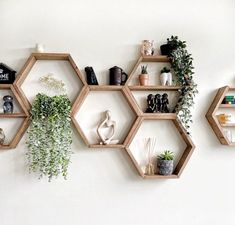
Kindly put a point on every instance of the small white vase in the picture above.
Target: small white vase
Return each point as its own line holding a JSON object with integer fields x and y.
{"x": 166, "y": 79}
{"x": 163, "y": 78}
{"x": 39, "y": 48}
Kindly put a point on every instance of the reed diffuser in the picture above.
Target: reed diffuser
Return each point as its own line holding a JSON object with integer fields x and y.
{"x": 149, "y": 144}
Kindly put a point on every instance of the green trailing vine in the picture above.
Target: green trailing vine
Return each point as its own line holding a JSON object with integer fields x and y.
{"x": 182, "y": 64}
{"x": 50, "y": 136}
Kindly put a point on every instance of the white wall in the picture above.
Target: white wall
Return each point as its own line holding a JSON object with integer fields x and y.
{"x": 103, "y": 187}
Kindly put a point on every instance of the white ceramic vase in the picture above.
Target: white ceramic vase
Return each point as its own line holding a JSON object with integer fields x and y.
{"x": 166, "y": 79}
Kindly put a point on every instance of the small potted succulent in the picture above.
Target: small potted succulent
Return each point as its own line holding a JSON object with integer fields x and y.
{"x": 166, "y": 77}
{"x": 165, "y": 163}
{"x": 144, "y": 77}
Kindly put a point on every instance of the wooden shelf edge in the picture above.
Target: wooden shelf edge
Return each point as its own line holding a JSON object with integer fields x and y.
{"x": 227, "y": 106}
{"x": 155, "y": 58}
{"x": 105, "y": 87}
{"x": 157, "y": 176}
{"x": 12, "y": 115}
{"x": 160, "y": 116}
{"x": 154, "y": 87}
{"x": 106, "y": 146}
{"x": 5, "y": 147}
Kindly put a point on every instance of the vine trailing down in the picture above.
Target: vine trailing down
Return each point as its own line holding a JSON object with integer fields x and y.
{"x": 50, "y": 136}
{"x": 182, "y": 64}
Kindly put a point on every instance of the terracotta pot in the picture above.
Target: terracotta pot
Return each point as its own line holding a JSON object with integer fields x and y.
{"x": 144, "y": 79}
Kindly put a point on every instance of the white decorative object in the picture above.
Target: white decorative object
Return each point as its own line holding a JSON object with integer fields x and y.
{"x": 39, "y": 48}
{"x": 166, "y": 77}
{"x": 107, "y": 124}
{"x": 52, "y": 83}
{"x": 147, "y": 47}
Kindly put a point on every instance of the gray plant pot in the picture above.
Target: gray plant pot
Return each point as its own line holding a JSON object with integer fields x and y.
{"x": 165, "y": 167}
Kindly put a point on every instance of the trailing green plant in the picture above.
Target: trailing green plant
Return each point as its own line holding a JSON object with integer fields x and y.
{"x": 144, "y": 69}
{"x": 165, "y": 70}
{"x": 182, "y": 64}
{"x": 166, "y": 155}
{"x": 50, "y": 136}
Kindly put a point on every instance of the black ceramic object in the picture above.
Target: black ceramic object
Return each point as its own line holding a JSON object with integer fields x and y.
{"x": 117, "y": 76}
{"x": 166, "y": 49}
{"x": 158, "y": 102}
{"x": 7, "y": 75}
{"x": 151, "y": 106}
{"x": 165, "y": 167}
{"x": 8, "y": 104}
{"x": 90, "y": 76}
{"x": 165, "y": 102}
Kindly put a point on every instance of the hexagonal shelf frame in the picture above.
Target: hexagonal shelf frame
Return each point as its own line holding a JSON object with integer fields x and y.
{"x": 184, "y": 158}
{"x": 43, "y": 56}
{"x": 212, "y": 119}
{"x": 24, "y": 114}
{"x": 81, "y": 99}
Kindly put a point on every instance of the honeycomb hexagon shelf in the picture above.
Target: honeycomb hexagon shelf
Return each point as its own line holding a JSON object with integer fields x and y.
{"x": 212, "y": 118}
{"x": 183, "y": 160}
{"x": 104, "y": 89}
{"x": 23, "y": 115}
{"x": 21, "y": 77}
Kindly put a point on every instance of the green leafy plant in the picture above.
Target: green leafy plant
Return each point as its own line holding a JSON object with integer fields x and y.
{"x": 182, "y": 64}
{"x": 50, "y": 136}
{"x": 144, "y": 69}
{"x": 166, "y": 155}
{"x": 165, "y": 70}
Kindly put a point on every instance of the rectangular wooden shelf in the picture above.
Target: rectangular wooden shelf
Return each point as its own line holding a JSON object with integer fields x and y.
{"x": 12, "y": 115}
{"x": 155, "y": 58}
{"x": 154, "y": 87}
{"x": 227, "y": 124}
{"x": 105, "y": 87}
{"x": 160, "y": 116}
{"x": 106, "y": 146}
{"x": 227, "y": 106}
{"x": 5, "y": 86}
{"x": 157, "y": 176}
{"x": 2, "y": 147}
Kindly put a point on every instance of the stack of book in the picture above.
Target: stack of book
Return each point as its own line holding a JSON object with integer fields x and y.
{"x": 229, "y": 99}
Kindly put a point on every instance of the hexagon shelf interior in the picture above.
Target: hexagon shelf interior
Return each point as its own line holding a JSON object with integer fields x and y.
{"x": 13, "y": 124}
{"x": 86, "y": 118}
{"x": 163, "y": 130}
{"x": 39, "y": 64}
{"x": 217, "y": 107}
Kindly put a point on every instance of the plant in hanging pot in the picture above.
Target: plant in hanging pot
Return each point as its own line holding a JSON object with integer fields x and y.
{"x": 50, "y": 136}
{"x": 165, "y": 163}
{"x": 144, "y": 77}
{"x": 172, "y": 43}
{"x": 166, "y": 77}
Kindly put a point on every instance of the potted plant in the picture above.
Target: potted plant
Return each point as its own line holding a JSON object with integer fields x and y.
{"x": 172, "y": 43}
{"x": 50, "y": 136}
{"x": 165, "y": 163}
{"x": 166, "y": 77}
{"x": 144, "y": 77}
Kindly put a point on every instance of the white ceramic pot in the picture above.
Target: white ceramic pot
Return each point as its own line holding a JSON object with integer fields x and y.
{"x": 166, "y": 79}
{"x": 163, "y": 78}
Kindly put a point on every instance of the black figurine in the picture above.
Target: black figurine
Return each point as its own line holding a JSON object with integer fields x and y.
{"x": 158, "y": 103}
{"x": 91, "y": 77}
{"x": 151, "y": 106}
{"x": 7, "y": 105}
{"x": 165, "y": 102}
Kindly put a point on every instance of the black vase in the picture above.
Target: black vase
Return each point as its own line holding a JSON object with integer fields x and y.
{"x": 90, "y": 75}
{"x": 166, "y": 49}
{"x": 7, "y": 105}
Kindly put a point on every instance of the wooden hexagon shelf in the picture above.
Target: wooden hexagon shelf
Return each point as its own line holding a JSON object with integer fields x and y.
{"x": 184, "y": 157}
{"x": 105, "y": 88}
{"x": 43, "y": 56}
{"x": 23, "y": 115}
{"x": 212, "y": 118}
